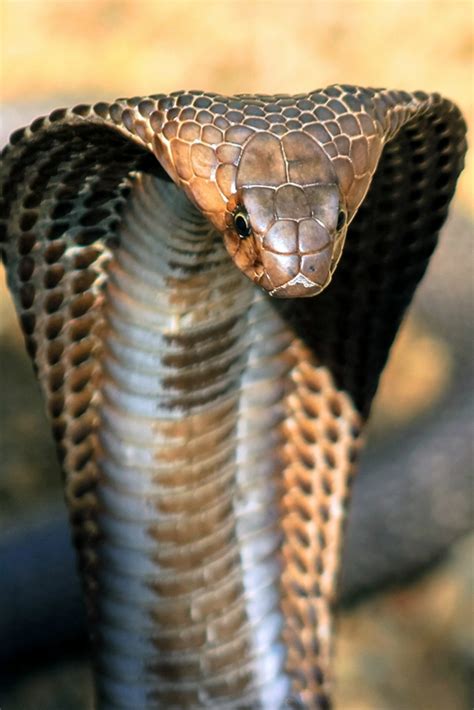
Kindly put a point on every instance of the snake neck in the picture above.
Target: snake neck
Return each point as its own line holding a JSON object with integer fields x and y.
{"x": 224, "y": 453}
{"x": 194, "y": 363}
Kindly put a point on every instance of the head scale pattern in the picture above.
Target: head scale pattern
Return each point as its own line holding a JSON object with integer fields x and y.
{"x": 276, "y": 167}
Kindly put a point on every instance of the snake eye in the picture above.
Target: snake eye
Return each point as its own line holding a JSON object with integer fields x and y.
{"x": 242, "y": 223}
{"x": 341, "y": 220}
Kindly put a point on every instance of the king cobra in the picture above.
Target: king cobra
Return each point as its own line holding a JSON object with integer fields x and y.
{"x": 166, "y": 256}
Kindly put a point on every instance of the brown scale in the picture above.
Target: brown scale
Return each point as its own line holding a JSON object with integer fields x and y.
{"x": 59, "y": 286}
{"x": 389, "y": 160}
{"x": 322, "y": 434}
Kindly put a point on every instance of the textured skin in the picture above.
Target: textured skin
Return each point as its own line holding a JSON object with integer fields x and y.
{"x": 209, "y": 433}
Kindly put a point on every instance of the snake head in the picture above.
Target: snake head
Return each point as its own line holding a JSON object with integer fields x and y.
{"x": 286, "y": 223}
{"x": 276, "y": 200}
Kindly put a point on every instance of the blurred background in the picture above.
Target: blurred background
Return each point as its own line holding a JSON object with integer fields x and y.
{"x": 405, "y": 647}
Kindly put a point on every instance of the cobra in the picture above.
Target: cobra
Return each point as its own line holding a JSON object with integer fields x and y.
{"x": 209, "y": 431}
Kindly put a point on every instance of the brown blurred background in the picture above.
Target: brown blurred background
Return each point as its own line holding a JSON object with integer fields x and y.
{"x": 399, "y": 650}
{"x": 90, "y": 49}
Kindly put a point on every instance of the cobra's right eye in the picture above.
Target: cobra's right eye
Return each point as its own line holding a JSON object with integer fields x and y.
{"x": 242, "y": 223}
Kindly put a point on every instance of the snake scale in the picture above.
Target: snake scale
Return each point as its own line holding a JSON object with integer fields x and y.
{"x": 166, "y": 256}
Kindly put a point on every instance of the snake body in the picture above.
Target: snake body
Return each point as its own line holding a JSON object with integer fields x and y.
{"x": 208, "y": 431}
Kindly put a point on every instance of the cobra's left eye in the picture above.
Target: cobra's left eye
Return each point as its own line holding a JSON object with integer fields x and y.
{"x": 242, "y": 223}
{"x": 341, "y": 220}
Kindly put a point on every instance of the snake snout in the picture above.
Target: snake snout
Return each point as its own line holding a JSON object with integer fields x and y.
{"x": 296, "y": 258}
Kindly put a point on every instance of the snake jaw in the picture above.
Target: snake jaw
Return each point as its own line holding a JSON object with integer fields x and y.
{"x": 283, "y": 275}
{"x": 298, "y": 287}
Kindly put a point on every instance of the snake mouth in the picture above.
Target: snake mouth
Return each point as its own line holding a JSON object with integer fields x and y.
{"x": 296, "y": 275}
{"x": 299, "y": 287}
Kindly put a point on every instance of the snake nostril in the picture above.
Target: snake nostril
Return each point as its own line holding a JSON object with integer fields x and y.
{"x": 316, "y": 266}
